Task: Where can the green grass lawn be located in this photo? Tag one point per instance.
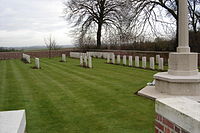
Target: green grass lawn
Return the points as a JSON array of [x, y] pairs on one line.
[[66, 98]]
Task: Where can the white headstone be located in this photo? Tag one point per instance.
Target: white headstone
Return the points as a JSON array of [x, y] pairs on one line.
[[90, 62], [124, 60], [85, 61], [144, 62], [108, 58], [81, 60], [113, 59], [157, 58], [118, 59], [37, 63], [63, 57], [152, 63], [161, 64], [130, 60], [137, 61]]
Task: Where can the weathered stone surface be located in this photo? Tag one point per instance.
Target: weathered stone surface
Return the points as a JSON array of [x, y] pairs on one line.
[[137, 61], [26, 58], [12, 121]]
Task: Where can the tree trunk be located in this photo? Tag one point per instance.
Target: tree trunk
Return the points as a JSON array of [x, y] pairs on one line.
[[99, 36]]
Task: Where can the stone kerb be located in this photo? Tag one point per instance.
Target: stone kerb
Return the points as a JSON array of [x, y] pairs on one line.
[[13, 121], [177, 115]]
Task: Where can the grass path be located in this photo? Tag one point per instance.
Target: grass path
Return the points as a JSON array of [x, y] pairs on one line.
[[65, 98]]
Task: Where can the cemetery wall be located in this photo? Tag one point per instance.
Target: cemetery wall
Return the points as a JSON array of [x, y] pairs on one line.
[[38, 54]]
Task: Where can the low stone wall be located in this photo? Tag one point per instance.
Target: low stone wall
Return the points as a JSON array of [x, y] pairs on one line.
[[177, 115], [39, 54]]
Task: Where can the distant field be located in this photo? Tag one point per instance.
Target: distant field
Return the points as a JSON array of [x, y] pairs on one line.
[[66, 98]]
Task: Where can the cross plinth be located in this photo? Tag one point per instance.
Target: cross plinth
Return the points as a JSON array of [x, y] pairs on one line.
[[183, 77]]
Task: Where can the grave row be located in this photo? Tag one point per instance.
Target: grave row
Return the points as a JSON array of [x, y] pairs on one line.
[[92, 54], [160, 61], [86, 61]]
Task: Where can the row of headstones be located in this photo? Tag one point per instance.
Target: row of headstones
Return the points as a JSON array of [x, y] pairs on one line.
[[160, 61], [98, 54], [86, 61], [92, 54]]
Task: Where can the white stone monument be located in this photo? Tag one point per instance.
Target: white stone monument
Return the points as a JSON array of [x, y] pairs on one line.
[[157, 59], [13, 121], [144, 62], [81, 60], [37, 63], [152, 63], [118, 59], [113, 58], [108, 58], [63, 58], [90, 62], [130, 61], [124, 60], [85, 64], [183, 77], [161, 64], [137, 61]]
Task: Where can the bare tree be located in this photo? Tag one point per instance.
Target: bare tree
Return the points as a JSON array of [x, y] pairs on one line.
[[146, 11], [91, 13], [51, 44]]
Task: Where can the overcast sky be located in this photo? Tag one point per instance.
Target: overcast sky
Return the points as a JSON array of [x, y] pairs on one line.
[[27, 22]]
